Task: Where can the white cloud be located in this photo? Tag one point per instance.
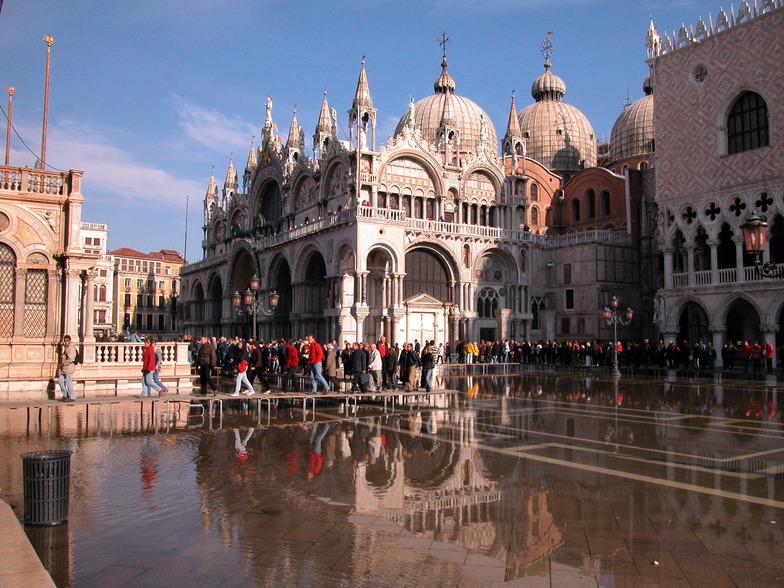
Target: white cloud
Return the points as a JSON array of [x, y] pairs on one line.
[[211, 128], [109, 171]]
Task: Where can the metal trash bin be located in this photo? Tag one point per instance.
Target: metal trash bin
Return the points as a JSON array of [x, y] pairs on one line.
[[47, 480]]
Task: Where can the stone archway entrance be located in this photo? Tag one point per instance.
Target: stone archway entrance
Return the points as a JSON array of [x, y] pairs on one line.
[[693, 324], [743, 322]]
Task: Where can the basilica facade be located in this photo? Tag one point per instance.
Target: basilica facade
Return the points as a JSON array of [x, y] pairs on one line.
[[453, 231], [433, 235]]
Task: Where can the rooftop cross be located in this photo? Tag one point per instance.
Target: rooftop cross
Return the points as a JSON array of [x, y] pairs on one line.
[[547, 47], [443, 41]]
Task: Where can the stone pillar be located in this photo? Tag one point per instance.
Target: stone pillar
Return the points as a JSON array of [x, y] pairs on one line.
[[667, 268], [714, 260], [741, 275], [718, 343], [71, 301], [769, 334], [53, 278], [19, 301], [88, 305], [690, 264]]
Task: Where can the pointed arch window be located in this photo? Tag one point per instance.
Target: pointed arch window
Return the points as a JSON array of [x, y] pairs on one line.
[[487, 303], [747, 123]]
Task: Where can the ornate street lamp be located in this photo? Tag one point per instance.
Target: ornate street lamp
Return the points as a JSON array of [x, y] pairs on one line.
[[614, 318], [754, 237], [249, 304]]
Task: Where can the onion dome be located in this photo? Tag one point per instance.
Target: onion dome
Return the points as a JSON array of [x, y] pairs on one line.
[[558, 135], [632, 133], [445, 108]]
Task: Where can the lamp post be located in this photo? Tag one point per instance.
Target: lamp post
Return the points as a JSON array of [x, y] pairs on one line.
[[249, 303], [754, 238], [614, 318]]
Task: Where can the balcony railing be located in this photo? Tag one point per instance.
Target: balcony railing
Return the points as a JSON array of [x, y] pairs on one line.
[[23, 180], [723, 276]]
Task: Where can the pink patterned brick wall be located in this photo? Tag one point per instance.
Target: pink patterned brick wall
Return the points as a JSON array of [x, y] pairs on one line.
[[690, 116]]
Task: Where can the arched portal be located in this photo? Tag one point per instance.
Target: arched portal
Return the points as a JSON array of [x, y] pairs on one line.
[[379, 295], [215, 306], [279, 323], [693, 324], [743, 322], [312, 296], [240, 279], [428, 296], [426, 273], [197, 309]]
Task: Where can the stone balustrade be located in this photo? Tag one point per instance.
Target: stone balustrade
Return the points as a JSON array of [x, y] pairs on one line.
[[28, 371]]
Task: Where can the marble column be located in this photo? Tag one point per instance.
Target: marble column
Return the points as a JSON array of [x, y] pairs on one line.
[[738, 240], [714, 260], [88, 305], [19, 298], [667, 267]]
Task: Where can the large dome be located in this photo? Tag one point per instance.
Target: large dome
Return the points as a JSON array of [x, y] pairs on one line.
[[464, 115], [557, 134], [632, 133]]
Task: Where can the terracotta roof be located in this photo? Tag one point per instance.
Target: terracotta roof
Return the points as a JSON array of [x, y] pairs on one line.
[[163, 254]]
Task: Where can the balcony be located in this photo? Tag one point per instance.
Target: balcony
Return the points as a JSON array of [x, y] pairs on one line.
[[24, 180], [723, 276]]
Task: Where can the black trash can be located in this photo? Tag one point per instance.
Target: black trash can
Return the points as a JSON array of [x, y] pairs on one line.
[[47, 480]]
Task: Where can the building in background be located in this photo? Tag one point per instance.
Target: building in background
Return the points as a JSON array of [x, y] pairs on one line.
[[95, 238], [147, 288]]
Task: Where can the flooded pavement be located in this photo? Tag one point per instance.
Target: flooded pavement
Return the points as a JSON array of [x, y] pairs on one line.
[[530, 480]]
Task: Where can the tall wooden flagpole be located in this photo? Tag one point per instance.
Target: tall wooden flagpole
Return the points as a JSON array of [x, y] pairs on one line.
[[49, 42], [9, 113]]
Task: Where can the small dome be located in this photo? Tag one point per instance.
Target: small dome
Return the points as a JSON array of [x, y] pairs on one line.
[[632, 133], [557, 134], [548, 86], [464, 114]]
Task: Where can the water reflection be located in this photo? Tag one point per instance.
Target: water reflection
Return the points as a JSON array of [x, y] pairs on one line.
[[528, 472]]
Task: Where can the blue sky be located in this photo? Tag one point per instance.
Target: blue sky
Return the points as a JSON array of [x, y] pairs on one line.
[[147, 96]]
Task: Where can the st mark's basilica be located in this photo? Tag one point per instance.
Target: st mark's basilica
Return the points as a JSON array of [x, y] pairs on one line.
[[457, 229]]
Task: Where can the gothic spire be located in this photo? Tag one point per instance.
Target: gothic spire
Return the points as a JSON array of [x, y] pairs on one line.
[[362, 99]]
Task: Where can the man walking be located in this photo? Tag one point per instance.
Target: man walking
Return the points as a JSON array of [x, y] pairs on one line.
[[67, 367], [315, 357], [207, 361]]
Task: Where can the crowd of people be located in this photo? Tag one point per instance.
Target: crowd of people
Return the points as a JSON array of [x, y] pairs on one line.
[[369, 367], [381, 366]]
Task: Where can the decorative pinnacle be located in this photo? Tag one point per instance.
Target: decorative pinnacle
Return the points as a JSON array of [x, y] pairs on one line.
[[49, 40], [11, 90], [546, 47], [443, 41]]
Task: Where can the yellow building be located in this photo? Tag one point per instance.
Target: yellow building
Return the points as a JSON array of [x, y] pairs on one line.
[[146, 288]]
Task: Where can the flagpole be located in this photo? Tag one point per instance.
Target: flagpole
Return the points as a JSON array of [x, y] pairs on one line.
[[49, 42], [8, 127], [185, 253]]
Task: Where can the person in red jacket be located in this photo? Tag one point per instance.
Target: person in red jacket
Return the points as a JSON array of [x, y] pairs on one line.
[[149, 365], [756, 357], [769, 356], [291, 365], [314, 366]]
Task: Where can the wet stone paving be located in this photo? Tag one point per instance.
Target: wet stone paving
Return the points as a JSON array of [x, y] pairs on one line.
[[515, 480]]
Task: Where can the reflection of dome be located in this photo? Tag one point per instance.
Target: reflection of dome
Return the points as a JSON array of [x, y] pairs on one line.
[[557, 134], [460, 113], [632, 133]]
